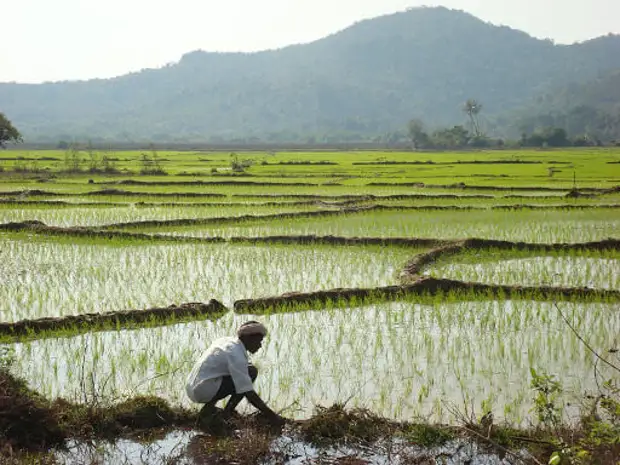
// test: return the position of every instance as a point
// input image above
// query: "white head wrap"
(250, 328)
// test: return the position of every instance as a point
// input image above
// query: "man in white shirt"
(224, 370)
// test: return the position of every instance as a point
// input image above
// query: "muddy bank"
(364, 197)
(134, 182)
(463, 186)
(107, 192)
(413, 269)
(342, 210)
(555, 207)
(223, 219)
(64, 203)
(117, 320)
(61, 203)
(459, 162)
(42, 228)
(22, 195)
(338, 240)
(149, 430)
(93, 233)
(473, 243)
(422, 287)
(124, 193)
(26, 419)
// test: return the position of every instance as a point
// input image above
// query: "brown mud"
(118, 319)
(64, 203)
(93, 233)
(342, 210)
(223, 219)
(462, 185)
(30, 425)
(422, 287)
(134, 182)
(461, 162)
(364, 197)
(447, 244)
(107, 192)
(339, 240)
(26, 420)
(61, 203)
(23, 194)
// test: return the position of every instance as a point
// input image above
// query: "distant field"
(254, 225)
(593, 167)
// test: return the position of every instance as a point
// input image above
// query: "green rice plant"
(565, 268)
(316, 357)
(54, 278)
(534, 226)
(98, 216)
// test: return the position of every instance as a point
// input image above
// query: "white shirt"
(225, 357)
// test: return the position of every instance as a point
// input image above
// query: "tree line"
(473, 135)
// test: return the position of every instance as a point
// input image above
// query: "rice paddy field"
(289, 224)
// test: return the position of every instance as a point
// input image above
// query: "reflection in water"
(193, 448)
(169, 449)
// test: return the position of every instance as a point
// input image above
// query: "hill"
(582, 108)
(360, 82)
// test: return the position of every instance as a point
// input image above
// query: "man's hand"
(272, 417)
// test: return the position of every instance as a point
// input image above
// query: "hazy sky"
(48, 40)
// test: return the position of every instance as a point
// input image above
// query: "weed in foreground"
(26, 420)
(337, 425)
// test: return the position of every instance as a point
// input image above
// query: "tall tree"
(472, 108)
(416, 132)
(8, 133)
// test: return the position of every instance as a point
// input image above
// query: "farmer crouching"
(224, 370)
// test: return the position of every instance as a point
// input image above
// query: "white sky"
(49, 40)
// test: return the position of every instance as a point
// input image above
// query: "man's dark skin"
(252, 344)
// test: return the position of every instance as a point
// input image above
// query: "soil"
(120, 319)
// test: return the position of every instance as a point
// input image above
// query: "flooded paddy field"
(545, 226)
(401, 360)
(42, 278)
(295, 223)
(597, 270)
(96, 216)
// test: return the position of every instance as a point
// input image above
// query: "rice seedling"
(435, 355)
(94, 216)
(521, 225)
(55, 278)
(574, 268)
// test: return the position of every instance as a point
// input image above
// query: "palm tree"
(472, 107)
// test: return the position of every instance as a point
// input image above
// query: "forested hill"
(591, 107)
(365, 80)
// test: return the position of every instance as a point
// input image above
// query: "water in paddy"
(194, 448)
(402, 359)
(596, 273)
(40, 279)
(545, 226)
